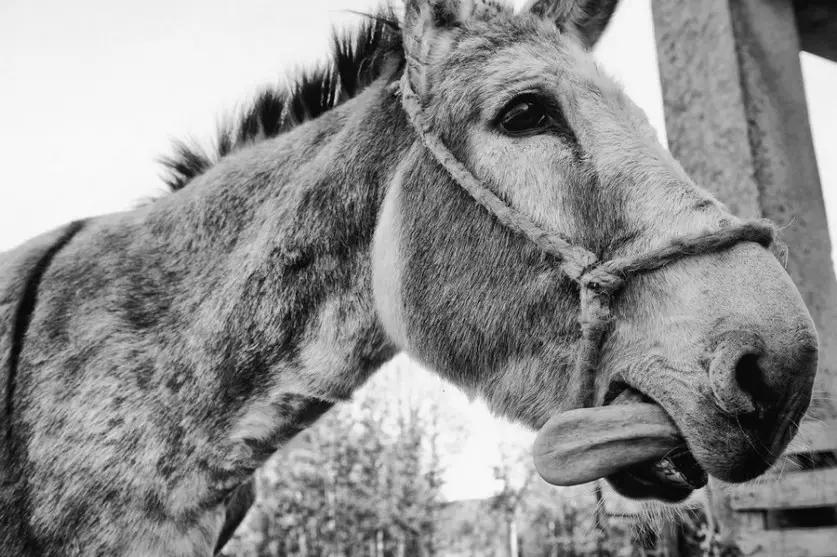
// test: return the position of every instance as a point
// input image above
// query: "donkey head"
(721, 342)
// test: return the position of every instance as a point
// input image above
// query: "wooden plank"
(792, 490)
(750, 521)
(813, 437)
(808, 542)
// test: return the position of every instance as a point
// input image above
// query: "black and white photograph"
(418, 278)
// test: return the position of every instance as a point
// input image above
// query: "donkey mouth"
(631, 442)
(671, 478)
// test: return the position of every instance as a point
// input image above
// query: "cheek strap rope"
(598, 281)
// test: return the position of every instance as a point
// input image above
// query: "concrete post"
(737, 120)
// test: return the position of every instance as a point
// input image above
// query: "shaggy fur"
(356, 61)
(152, 359)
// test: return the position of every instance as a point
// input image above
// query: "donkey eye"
(524, 115)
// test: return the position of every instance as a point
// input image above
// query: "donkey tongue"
(586, 444)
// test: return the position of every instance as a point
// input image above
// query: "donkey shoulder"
(20, 271)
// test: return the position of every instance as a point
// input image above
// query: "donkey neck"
(287, 313)
(200, 332)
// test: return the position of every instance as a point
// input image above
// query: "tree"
(364, 481)
(515, 472)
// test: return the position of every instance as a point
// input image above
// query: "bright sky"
(94, 90)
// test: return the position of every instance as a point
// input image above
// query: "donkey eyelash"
(503, 100)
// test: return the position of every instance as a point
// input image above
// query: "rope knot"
(601, 280)
(577, 262)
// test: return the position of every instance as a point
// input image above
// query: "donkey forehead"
(487, 71)
(498, 56)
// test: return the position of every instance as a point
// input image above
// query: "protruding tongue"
(583, 445)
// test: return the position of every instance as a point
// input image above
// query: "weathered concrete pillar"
(737, 120)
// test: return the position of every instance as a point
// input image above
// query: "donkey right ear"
(587, 19)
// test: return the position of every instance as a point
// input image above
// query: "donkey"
(153, 359)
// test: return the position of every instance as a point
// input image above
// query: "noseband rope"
(597, 280)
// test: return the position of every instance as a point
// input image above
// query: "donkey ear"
(586, 18)
(450, 12)
(426, 32)
(429, 26)
(421, 15)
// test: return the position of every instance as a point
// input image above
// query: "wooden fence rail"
(789, 492)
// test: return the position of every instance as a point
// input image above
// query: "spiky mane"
(357, 59)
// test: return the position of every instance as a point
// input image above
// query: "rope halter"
(598, 281)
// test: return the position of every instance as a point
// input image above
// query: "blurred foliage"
(366, 481)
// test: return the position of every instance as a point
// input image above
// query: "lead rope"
(598, 281)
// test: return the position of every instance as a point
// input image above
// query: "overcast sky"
(92, 91)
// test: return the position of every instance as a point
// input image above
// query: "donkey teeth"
(667, 472)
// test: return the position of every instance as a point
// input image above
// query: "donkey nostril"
(736, 376)
(749, 377)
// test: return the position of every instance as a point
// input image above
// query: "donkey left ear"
(448, 12)
(586, 18)
(426, 28)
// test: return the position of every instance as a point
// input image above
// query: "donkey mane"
(358, 57)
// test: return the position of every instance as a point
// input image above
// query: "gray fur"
(172, 348)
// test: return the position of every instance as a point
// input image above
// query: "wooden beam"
(808, 542)
(737, 120)
(791, 490)
(785, 168)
